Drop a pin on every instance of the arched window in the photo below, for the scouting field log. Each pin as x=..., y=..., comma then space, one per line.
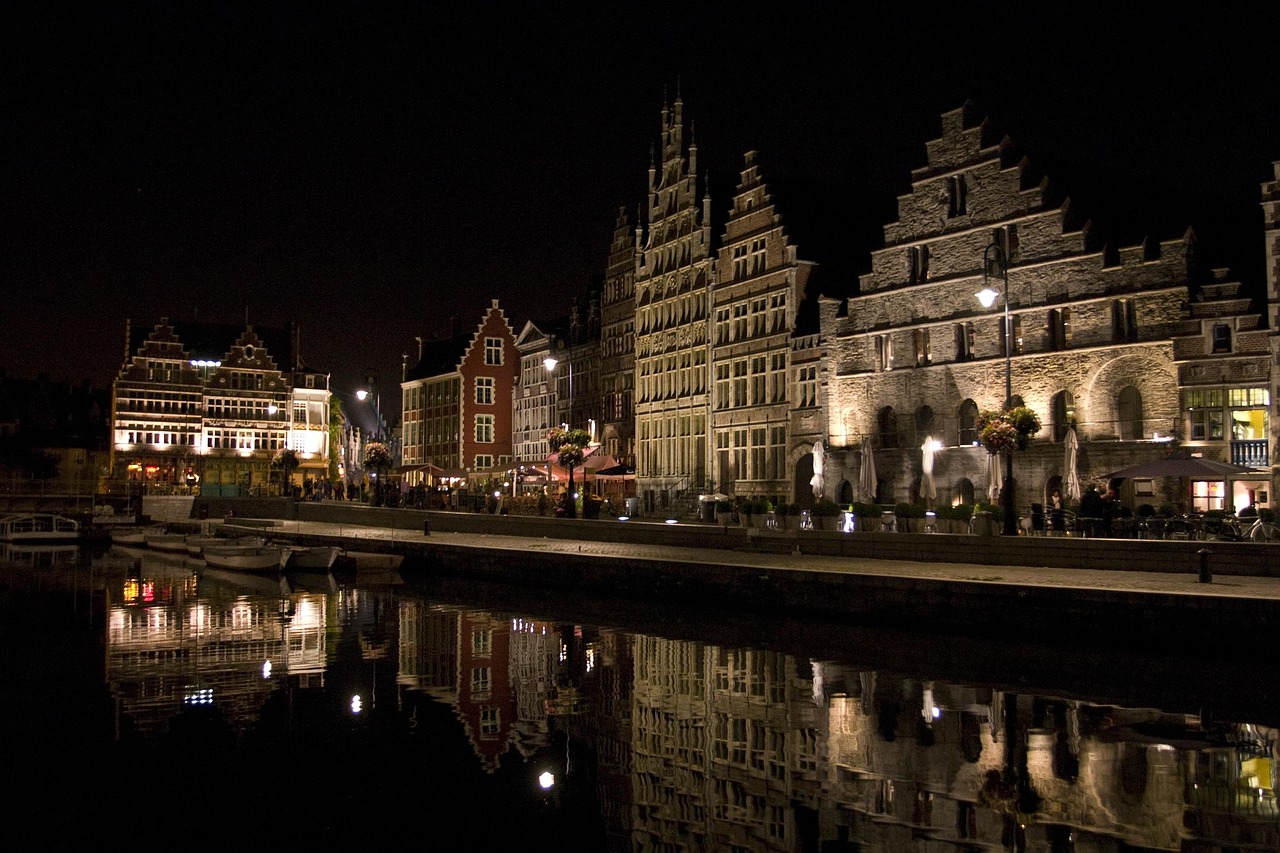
x=963, y=492
x=924, y=423
x=887, y=426
x=1129, y=408
x=1064, y=414
x=968, y=417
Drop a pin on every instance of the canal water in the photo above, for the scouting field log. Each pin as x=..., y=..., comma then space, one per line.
x=151, y=702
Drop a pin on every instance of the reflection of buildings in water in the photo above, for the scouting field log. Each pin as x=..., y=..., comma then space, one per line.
x=428, y=649
x=725, y=747
x=168, y=638
x=1051, y=773
x=38, y=556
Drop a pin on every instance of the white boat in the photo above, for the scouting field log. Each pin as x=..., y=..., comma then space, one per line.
x=321, y=557
x=133, y=535
x=245, y=558
x=25, y=527
x=197, y=542
x=166, y=541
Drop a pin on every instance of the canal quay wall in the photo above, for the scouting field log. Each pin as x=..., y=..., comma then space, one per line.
x=1248, y=559
x=1024, y=588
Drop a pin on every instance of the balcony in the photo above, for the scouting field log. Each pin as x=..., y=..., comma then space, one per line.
x=1252, y=452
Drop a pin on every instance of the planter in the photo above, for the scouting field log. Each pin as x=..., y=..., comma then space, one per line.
x=984, y=524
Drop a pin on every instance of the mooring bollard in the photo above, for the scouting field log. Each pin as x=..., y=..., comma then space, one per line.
x=1205, y=576
x=426, y=527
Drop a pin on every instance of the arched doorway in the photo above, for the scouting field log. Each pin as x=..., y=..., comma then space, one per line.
x=802, y=485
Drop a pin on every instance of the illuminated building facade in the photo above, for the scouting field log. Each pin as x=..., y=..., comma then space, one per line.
x=1127, y=345
x=198, y=405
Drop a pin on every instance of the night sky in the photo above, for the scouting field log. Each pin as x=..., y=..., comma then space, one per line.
x=370, y=170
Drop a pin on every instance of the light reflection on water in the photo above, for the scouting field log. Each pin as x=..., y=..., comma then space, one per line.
x=328, y=710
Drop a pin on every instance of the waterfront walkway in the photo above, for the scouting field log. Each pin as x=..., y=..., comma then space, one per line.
x=1222, y=586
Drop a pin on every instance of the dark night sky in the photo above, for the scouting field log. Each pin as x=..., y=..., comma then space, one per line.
x=371, y=169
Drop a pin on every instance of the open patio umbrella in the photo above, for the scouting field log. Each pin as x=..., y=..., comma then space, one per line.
x=993, y=475
x=1071, y=476
x=1195, y=467
x=819, y=463
x=867, y=475
x=928, y=489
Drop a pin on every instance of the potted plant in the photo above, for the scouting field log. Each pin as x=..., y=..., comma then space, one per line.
x=909, y=517
x=377, y=458
x=724, y=512
x=954, y=519
x=824, y=509
x=784, y=512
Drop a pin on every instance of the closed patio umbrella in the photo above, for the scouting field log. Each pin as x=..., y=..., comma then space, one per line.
x=993, y=475
x=867, y=475
x=819, y=463
x=1071, y=477
x=928, y=489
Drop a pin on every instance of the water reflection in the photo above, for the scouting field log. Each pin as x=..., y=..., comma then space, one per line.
x=528, y=726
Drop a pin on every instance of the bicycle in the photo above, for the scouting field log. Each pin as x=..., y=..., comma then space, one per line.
x=1240, y=529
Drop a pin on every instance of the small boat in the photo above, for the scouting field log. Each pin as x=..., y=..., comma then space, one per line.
x=245, y=558
x=321, y=557
x=132, y=535
x=27, y=527
x=197, y=542
x=166, y=541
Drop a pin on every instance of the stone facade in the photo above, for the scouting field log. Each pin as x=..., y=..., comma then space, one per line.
x=1101, y=336
x=618, y=345
x=760, y=282
x=673, y=280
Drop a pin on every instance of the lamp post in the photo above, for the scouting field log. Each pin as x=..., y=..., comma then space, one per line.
x=994, y=253
x=550, y=363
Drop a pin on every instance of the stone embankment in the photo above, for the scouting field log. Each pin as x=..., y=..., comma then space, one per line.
x=1184, y=597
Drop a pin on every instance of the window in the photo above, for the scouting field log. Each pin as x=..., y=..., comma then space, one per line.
x=1059, y=328
x=924, y=354
x=481, y=679
x=884, y=352
x=778, y=312
x=887, y=423
x=1129, y=408
x=481, y=642
x=1064, y=414
x=740, y=453
x=483, y=462
x=759, y=379
x=957, y=196
x=968, y=417
x=1124, y=322
x=722, y=386
x=740, y=382
x=484, y=429
x=1205, y=414
x=778, y=378
x=739, y=331
x=1221, y=338
x=808, y=382
x=493, y=350
x=964, y=341
x=918, y=264
x=489, y=721
x=757, y=256
x=484, y=390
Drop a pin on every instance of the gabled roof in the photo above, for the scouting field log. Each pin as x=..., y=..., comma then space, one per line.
x=441, y=356
x=213, y=341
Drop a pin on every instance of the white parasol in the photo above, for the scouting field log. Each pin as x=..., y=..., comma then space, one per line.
x=993, y=475
x=928, y=489
x=819, y=463
x=1071, y=489
x=867, y=475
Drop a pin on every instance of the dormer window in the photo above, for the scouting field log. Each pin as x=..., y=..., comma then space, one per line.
x=1221, y=338
x=957, y=196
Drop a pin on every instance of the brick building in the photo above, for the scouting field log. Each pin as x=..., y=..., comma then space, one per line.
x=456, y=401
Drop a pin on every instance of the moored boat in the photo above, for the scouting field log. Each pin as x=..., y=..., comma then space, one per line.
x=245, y=558
x=320, y=557
x=132, y=535
x=38, y=527
x=166, y=541
x=196, y=543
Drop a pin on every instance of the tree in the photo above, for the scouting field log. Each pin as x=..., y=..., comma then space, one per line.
x=286, y=460
x=568, y=447
x=377, y=458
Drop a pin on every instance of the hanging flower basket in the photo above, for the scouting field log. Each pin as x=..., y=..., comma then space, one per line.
x=998, y=436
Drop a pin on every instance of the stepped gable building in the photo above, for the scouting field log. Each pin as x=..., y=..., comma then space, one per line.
x=209, y=406
x=456, y=401
x=760, y=284
x=675, y=267
x=1134, y=347
x=618, y=345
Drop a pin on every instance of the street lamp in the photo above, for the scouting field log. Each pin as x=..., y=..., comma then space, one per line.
x=550, y=363
x=994, y=253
